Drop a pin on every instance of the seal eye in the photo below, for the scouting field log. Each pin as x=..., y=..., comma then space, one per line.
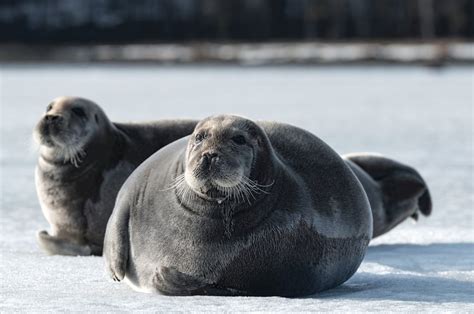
x=239, y=140
x=49, y=107
x=79, y=112
x=199, y=137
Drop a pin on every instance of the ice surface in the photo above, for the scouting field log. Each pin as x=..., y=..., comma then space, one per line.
x=420, y=116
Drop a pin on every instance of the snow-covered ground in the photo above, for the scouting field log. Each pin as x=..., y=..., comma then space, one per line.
x=420, y=116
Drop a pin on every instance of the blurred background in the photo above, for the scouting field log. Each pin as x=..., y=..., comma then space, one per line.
x=387, y=76
x=66, y=21
x=247, y=31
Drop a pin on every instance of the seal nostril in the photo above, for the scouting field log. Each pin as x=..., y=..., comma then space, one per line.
x=53, y=118
x=214, y=159
x=210, y=158
x=211, y=155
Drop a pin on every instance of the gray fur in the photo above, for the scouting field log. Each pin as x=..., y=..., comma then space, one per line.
x=308, y=232
x=84, y=160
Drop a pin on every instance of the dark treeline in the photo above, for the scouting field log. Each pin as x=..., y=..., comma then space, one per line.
x=92, y=21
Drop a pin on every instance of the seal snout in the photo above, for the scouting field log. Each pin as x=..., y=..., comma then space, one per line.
x=210, y=160
x=53, y=119
x=51, y=124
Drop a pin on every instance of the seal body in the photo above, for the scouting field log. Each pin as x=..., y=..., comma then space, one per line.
x=84, y=160
x=305, y=229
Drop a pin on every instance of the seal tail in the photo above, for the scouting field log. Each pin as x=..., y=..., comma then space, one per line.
x=404, y=191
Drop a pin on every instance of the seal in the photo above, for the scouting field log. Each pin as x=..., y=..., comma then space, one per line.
x=83, y=161
x=241, y=208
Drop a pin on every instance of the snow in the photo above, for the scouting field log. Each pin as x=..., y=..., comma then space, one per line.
x=420, y=116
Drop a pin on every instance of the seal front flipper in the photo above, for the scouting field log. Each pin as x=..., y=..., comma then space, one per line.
x=116, y=243
x=395, y=191
x=57, y=246
x=170, y=281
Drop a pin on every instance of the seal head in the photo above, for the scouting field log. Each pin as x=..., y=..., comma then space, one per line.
x=226, y=160
x=67, y=127
x=84, y=160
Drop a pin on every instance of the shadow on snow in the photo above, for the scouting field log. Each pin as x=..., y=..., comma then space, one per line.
x=411, y=273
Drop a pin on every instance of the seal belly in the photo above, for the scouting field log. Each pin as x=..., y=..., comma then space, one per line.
x=296, y=263
x=285, y=256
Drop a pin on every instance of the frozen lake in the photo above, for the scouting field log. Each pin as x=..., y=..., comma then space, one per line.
x=420, y=116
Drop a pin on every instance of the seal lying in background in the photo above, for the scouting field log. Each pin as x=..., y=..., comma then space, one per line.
x=240, y=208
x=84, y=160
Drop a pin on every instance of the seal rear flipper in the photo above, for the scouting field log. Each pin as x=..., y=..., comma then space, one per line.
x=170, y=281
x=405, y=185
x=424, y=202
x=56, y=246
x=403, y=190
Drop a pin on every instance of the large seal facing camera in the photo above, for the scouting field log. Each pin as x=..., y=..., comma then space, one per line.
x=245, y=208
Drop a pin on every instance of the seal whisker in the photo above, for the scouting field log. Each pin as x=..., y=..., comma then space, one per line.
x=252, y=189
x=238, y=193
x=259, y=188
x=255, y=183
x=229, y=192
x=175, y=184
x=245, y=190
x=72, y=154
x=184, y=192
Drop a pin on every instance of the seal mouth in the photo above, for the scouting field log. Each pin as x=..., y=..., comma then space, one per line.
x=57, y=131
x=242, y=190
x=213, y=194
x=60, y=140
x=47, y=131
x=212, y=185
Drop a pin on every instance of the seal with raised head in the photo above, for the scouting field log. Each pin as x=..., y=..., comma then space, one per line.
x=240, y=208
x=83, y=161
